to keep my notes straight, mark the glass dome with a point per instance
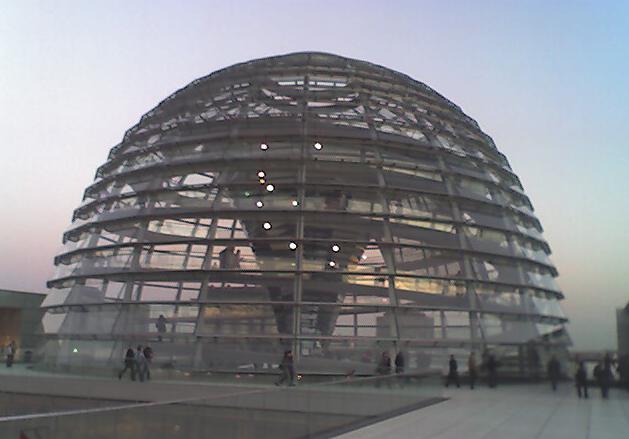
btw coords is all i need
(308, 202)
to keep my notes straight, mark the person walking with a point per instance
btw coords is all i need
(129, 364)
(598, 376)
(399, 363)
(148, 355)
(384, 365)
(472, 369)
(11, 348)
(605, 376)
(492, 371)
(453, 373)
(602, 375)
(581, 380)
(383, 368)
(140, 363)
(287, 366)
(554, 372)
(160, 324)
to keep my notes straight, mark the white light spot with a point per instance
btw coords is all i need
(264, 146)
(332, 264)
(318, 146)
(259, 203)
(363, 257)
(261, 174)
(267, 226)
(295, 203)
(75, 350)
(292, 246)
(335, 248)
(270, 187)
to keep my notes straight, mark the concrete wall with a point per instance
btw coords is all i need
(24, 319)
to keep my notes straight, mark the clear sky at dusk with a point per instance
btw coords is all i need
(549, 81)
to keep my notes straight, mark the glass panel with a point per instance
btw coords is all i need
(531, 250)
(89, 321)
(425, 262)
(169, 291)
(430, 286)
(356, 356)
(246, 320)
(350, 200)
(476, 189)
(343, 228)
(413, 204)
(141, 320)
(264, 287)
(496, 270)
(242, 354)
(332, 151)
(486, 240)
(507, 329)
(414, 180)
(417, 232)
(341, 174)
(52, 321)
(56, 297)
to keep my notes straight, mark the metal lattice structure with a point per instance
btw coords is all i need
(311, 202)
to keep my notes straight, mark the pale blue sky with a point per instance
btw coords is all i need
(547, 80)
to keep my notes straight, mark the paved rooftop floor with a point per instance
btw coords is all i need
(510, 412)
(71, 406)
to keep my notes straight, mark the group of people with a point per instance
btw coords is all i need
(384, 365)
(490, 365)
(603, 375)
(10, 351)
(138, 363)
(229, 259)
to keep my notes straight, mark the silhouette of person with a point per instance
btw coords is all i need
(399, 363)
(472, 369)
(161, 326)
(554, 372)
(287, 367)
(453, 372)
(581, 380)
(492, 372)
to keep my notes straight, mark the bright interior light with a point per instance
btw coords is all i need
(335, 248)
(259, 203)
(292, 246)
(318, 146)
(270, 187)
(332, 264)
(261, 174)
(363, 257)
(295, 203)
(264, 146)
(267, 226)
(75, 350)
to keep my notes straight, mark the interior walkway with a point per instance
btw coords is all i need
(514, 411)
